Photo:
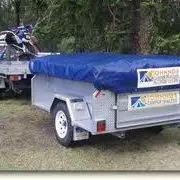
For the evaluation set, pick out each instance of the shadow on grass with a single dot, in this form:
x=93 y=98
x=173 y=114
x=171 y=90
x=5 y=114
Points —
x=135 y=141
x=13 y=96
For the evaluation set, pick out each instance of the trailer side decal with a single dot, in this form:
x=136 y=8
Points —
x=158 y=77
x=151 y=100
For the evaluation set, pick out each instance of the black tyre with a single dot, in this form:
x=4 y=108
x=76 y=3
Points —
x=62 y=124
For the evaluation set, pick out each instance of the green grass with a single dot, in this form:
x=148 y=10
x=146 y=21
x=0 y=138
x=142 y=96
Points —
x=27 y=142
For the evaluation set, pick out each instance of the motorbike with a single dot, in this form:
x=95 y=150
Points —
x=20 y=44
x=18 y=48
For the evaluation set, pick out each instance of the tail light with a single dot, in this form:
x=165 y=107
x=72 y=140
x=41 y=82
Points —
x=15 y=78
x=101 y=126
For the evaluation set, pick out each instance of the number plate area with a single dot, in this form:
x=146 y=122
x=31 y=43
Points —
x=143 y=109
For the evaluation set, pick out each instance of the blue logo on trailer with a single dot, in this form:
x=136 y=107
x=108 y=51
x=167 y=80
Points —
x=136 y=102
x=146 y=76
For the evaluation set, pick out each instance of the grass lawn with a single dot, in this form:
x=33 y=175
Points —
x=27 y=142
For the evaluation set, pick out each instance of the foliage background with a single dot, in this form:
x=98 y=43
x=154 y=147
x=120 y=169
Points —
x=126 y=26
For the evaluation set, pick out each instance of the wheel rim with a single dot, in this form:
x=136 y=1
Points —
x=61 y=124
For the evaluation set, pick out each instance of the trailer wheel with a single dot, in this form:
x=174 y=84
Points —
x=62 y=124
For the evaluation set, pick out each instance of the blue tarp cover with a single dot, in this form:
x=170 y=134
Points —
x=115 y=72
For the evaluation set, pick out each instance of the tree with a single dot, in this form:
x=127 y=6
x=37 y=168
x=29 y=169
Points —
x=126 y=26
x=136 y=18
x=17 y=5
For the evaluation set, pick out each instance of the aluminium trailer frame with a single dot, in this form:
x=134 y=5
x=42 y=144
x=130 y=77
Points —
x=89 y=108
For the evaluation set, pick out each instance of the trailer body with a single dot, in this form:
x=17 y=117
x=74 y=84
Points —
x=15 y=75
x=87 y=109
x=100 y=111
